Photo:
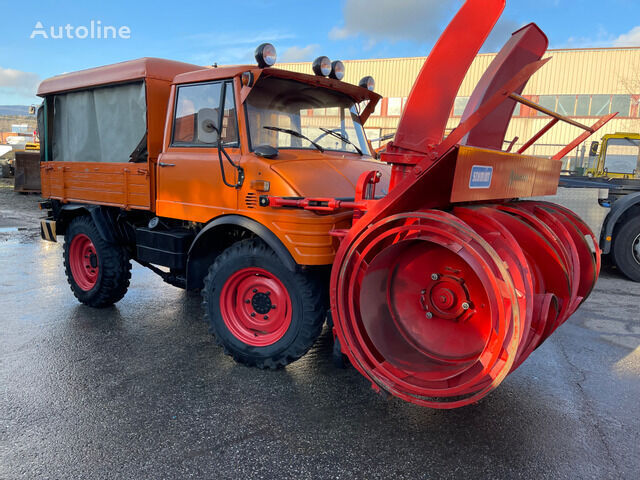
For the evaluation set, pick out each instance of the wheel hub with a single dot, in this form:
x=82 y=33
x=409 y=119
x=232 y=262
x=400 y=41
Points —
x=636 y=249
x=261 y=302
x=445 y=297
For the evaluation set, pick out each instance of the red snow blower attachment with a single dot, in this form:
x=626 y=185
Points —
x=447 y=284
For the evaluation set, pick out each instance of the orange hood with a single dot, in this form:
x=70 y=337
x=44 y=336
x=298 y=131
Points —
x=330 y=177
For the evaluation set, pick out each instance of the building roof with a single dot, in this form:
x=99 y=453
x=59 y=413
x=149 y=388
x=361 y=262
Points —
x=141 y=68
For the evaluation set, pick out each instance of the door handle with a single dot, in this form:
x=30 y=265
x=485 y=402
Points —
x=162 y=164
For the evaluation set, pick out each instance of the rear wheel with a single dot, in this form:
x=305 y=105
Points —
x=626 y=249
x=98 y=271
x=263 y=314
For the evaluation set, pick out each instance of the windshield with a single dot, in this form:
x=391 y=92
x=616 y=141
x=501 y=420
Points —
x=623 y=155
x=283 y=112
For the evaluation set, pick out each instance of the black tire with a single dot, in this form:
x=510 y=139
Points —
x=114 y=266
x=626 y=248
x=307 y=299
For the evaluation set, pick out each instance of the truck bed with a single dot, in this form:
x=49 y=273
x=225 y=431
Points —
x=124 y=185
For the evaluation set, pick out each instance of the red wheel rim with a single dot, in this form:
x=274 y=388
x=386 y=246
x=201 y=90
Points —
x=255 y=307
x=83 y=261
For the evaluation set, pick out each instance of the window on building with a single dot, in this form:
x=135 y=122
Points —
x=333 y=112
x=600 y=105
x=378 y=109
x=622 y=104
x=459 y=105
x=566 y=105
x=394 y=106
x=548 y=102
x=582 y=105
x=517 y=110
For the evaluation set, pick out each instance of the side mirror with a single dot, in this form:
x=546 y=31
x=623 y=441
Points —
x=207 y=120
x=593 y=150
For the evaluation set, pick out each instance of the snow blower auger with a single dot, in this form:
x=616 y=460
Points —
x=447 y=284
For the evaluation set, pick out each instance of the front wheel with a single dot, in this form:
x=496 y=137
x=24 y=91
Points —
x=97 y=271
x=626 y=249
x=263 y=314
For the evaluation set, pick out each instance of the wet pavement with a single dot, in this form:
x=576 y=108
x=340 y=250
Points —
x=140 y=390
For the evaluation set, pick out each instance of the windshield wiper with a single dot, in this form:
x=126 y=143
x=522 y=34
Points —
x=293 y=133
x=341 y=137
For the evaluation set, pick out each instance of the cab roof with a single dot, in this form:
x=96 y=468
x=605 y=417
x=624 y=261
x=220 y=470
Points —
x=122 y=72
x=356 y=92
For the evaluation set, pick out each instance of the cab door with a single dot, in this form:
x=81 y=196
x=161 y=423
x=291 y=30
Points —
x=190 y=181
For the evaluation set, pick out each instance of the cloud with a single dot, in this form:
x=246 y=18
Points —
x=629 y=39
x=417 y=20
x=17 y=82
x=604 y=39
x=500 y=34
x=298 y=54
x=238 y=38
x=229 y=48
x=420 y=21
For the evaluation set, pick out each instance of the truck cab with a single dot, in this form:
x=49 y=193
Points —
x=618 y=156
x=164 y=163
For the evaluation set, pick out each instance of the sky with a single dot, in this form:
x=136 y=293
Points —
x=227 y=32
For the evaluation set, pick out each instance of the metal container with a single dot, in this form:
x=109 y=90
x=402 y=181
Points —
x=27 y=172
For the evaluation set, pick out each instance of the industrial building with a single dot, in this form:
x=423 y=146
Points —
x=581 y=83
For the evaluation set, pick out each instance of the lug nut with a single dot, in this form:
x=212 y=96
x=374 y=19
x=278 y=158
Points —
x=266 y=317
x=273 y=307
x=255 y=290
x=429 y=315
x=435 y=276
x=267 y=293
x=247 y=301
x=253 y=314
x=465 y=305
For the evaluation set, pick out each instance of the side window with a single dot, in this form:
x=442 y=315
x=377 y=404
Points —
x=197 y=115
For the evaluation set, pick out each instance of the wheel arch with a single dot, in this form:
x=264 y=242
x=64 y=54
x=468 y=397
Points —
x=218 y=235
x=618 y=213
x=102 y=217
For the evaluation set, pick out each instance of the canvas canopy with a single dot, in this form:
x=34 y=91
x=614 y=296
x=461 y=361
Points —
x=104 y=124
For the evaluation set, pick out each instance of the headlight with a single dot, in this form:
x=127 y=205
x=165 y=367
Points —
x=322 y=66
x=368 y=83
x=265 y=55
x=337 y=70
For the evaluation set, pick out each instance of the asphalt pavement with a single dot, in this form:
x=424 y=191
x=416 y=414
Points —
x=140 y=390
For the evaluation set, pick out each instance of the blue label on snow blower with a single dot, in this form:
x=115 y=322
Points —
x=480 y=176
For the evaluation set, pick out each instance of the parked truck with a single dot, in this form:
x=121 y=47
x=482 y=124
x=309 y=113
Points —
x=605 y=192
x=257 y=187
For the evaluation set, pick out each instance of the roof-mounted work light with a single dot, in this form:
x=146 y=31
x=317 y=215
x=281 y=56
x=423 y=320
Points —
x=322 y=66
x=337 y=70
x=368 y=83
x=265 y=55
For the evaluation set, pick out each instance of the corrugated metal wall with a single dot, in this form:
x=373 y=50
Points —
x=570 y=72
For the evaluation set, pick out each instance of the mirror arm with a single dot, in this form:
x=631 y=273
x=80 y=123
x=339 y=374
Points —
x=221 y=149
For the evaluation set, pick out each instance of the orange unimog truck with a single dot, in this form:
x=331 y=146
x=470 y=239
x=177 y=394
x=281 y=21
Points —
x=164 y=162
